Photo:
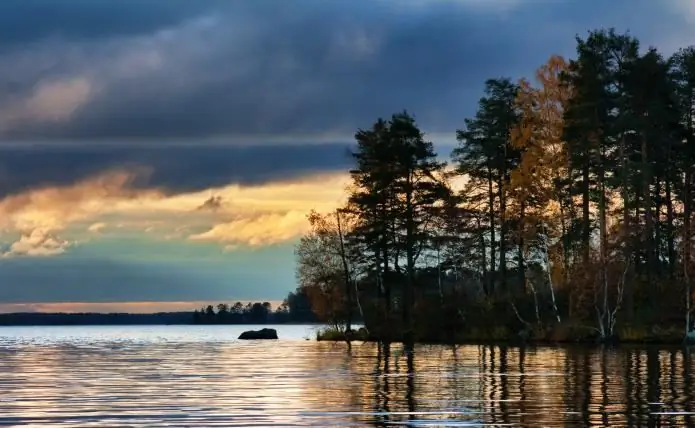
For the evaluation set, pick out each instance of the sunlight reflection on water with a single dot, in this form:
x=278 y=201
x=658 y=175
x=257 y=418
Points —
x=202 y=376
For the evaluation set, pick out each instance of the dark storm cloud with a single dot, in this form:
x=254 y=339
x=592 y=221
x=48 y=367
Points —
x=178 y=168
x=26 y=21
x=272 y=67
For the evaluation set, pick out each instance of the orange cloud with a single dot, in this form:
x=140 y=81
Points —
x=39 y=214
x=273 y=213
x=96 y=227
x=38 y=242
x=264 y=229
x=235 y=216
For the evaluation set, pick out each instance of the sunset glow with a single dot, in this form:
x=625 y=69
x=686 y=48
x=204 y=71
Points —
x=171 y=160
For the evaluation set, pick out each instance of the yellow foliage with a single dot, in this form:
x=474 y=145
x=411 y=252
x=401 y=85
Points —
x=544 y=155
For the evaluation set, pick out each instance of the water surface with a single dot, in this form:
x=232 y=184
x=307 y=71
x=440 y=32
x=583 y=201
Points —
x=164 y=376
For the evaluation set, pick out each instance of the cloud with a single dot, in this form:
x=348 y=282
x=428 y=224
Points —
x=685 y=10
x=134 y=114
x=214 y=203
x=242 y=216
x=265 y=215
x=49 y=208
x=260 y=230
x=256 y=71
x=39 y=214
x=25 y=22
x=96 y=227
x=38 y=242
x=51 y=101
x=481 y=6
x=183 y=168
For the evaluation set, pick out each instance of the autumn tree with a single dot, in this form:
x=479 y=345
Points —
x=538 y=186
x=579 y=180
x=324 y=269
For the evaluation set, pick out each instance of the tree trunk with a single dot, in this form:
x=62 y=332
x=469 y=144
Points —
x=483 y=263
x=346 y=275
x=603 y=235
x=626 y=234
x=491 y=196
x=439 y=276
x=657 y=238
x=522 y=267
x=386 y=281
x=379 y=275
x=687 y=212
x=503 y=235
x=566 y=261
x=586 y=219
x=648 y=218
x=566 y=213
x=409 y=292
x=386 y=277
x=687 y=198
x=670 y=230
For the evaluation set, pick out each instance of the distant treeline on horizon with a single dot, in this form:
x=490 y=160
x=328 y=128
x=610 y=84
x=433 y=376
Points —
x=294 y=309
x=47 y=319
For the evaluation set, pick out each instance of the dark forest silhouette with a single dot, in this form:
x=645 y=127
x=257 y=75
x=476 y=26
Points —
x=46 y=319
x=296 y=308
x=572 y=219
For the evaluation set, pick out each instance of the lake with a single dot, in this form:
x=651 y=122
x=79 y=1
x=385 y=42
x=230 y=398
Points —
x=164 y=376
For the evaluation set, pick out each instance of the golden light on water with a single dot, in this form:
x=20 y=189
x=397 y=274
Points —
x=159 y=376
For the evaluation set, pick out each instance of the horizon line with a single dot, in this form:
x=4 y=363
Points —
x=130 y=307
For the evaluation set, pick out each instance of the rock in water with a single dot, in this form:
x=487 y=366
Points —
x=265 y=333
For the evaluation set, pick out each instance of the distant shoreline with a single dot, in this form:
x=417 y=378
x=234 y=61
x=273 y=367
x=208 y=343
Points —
x=46 y=319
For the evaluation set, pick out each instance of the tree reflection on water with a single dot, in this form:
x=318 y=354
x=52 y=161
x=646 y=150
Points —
x=126 y=377
x=499 y=385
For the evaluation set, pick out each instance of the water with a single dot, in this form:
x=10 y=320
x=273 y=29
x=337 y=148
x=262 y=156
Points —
x=202 y=376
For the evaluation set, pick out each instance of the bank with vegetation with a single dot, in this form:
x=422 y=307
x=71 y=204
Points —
x=565 y=213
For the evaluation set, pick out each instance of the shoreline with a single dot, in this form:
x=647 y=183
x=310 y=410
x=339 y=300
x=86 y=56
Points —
x=670 y=338
x=521 y=343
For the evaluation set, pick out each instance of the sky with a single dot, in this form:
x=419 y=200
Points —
x=162 y=154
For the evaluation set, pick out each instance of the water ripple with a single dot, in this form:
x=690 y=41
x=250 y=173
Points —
x=174 y=376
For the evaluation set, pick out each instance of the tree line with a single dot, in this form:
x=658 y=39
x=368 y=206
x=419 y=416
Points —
x=295 y=308
x=47 y=318
x=565 y=211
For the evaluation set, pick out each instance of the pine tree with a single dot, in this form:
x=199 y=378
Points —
x=486 y=157
x=594 y=131
x=684 y=74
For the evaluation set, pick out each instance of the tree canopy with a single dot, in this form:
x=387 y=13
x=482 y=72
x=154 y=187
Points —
x=576 y=208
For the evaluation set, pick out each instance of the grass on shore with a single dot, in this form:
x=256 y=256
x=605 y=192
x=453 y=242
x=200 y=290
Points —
x=333 y=334
x=559 y=333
